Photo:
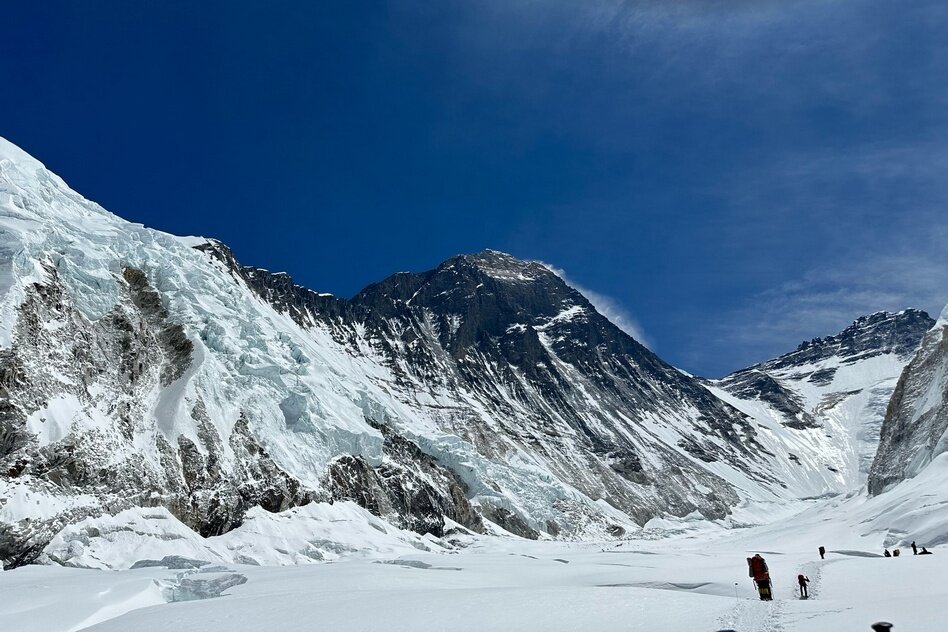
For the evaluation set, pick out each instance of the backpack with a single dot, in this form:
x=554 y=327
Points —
x=757 y=567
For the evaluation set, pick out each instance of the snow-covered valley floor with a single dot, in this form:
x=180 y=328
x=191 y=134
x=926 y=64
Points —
x=684 y=582
x=686 y=576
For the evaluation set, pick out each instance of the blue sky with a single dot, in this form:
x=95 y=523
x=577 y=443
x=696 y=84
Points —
x=727 y=178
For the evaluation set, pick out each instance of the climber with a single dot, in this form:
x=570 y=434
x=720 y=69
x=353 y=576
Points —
x=914 y=548
x=803 y=580
x=822 y=553
x=757 y=568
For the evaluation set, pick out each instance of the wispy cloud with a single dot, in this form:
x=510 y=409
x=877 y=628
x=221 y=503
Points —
x=609 y=307
x=825 y=301
x=869 y=227
x=830 y=296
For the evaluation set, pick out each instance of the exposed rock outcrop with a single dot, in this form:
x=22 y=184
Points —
x=916 y=422
x=75 y=408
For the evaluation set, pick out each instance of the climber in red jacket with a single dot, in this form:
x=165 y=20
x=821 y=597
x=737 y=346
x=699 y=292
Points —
x=757 y=568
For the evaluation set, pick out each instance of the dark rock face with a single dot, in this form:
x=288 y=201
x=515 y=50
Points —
x=172 y=340
x=409 y=488
x=755 y=384
x=481 y=319
x=213 y=500
x=916 y=421
x=510 y=521
x=868 y=336
x=13 y=434
x=278 y=289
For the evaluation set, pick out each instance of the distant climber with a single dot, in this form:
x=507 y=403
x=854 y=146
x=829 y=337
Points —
x=757 y=568
x=822 y=553
x=914 y=548
x=886 y=553
x=925 y=551
x=803 y=580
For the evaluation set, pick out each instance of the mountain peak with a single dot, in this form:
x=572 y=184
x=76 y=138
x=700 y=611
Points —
x=873 y=334
x=501 y=266
x=882 y=323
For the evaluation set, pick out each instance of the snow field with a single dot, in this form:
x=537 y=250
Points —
x=694 y=583
x=684 y=575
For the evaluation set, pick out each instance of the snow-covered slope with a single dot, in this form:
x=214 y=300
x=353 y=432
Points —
x=137 y=370
x=916 y=423
x=506 y=355
x=819 y=409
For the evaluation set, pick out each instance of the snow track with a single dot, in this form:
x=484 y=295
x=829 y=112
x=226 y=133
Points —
x=751 y=615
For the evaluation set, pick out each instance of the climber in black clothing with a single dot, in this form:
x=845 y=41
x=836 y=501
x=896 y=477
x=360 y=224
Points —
x=803 y=580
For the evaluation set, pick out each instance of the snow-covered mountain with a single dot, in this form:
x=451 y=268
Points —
x=915 y=431
x=819 y=409
x=503 y=354
x=140 y=369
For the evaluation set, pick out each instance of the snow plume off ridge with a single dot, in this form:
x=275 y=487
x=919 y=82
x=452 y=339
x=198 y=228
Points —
x=143 y=370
